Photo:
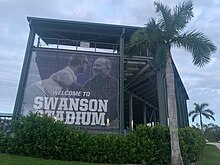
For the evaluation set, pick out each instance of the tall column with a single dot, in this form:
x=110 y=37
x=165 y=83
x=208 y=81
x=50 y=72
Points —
x=23 y=77
x=122 y=81
x=178 y=110
x=131 y=118
x=183 y=117
x=154 y=116
x=145 y=113
x=186 y=112
x=162 y=98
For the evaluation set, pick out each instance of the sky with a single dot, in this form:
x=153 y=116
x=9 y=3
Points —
x=202 y=84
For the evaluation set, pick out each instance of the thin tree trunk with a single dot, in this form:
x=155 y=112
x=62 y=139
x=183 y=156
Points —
x=200 y=115
x=176 y=158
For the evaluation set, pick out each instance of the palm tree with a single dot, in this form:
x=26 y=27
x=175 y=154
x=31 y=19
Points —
x=200 y=110
x=156 y=39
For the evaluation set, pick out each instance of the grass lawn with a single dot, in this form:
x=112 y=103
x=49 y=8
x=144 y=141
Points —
x=6 y=159
x=211 y=156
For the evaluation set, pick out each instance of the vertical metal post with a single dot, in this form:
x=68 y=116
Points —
x=27 y=58
x=58 y=43
x=38 y=42
x=122 y=81
x=154 y=117
x=161 y=99
x=145 y=113
x=77 y=42
x=178 y=106
x=186 y=113
x=131 y=120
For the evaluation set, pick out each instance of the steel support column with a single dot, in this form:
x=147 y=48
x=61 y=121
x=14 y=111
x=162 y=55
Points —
x=161 y=98
x=145 y=113
x=122 y=81
x=23 y=77
x=131 y=118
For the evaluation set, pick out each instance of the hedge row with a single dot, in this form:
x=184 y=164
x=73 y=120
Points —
x=42 y=137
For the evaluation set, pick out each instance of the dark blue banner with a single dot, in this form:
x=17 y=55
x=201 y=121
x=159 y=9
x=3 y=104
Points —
x=78 y=89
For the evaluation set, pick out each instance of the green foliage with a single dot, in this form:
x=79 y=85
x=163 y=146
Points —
x=192 y=143
x=39 y=137
x=212 y=132
x=42 y=137
x=5 y=124
x=201 y=111
x=156 y=143
x=3 y=142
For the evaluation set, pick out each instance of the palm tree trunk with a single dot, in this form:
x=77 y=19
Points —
x=200 y=115
x=176 y=158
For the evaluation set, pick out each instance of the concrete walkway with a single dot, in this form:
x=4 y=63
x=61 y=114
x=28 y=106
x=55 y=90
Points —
x=216 y=144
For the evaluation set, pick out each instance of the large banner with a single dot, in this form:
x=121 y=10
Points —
x=78 y=89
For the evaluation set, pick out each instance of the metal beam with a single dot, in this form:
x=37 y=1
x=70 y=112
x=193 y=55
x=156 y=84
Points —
x=145 y=113
x=141 y=79
x=139 y=98
x=23 y=77
x=131 y=120
x=122 y=81
x=161 y=98
x=138 y=74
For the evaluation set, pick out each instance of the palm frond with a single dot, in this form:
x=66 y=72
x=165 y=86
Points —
x=138 y=44
x=194 y=116
x=160 y=55
x=196 y=104
x=197 y=108
x=198 y=44
x=182 y=15
x=208 y=111
x=212 y=118
x=192 y=112
x=204 y=105
x=154 y=32
x=200 y=110
x=165 y=16
x=207 y=116
x=145 y=41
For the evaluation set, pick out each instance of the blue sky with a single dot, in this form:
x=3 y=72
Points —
x=202 y=84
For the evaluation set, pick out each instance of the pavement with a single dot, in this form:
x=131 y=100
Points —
x=216 y=144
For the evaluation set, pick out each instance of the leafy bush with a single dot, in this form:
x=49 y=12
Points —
x=212 y=132
x=39 y=137
x=3 y=142
x=44 y=138
x=151 y=144
x=192 y=142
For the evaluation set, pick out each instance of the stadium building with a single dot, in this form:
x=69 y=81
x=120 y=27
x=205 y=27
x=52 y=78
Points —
x=79 y=73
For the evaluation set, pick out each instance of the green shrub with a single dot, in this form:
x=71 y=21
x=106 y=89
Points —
x=44 y=138
x=39 y=137
x=161 y=137
x=104 y=148
x=151 y=145
x=192 y=143
x=3 y=142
